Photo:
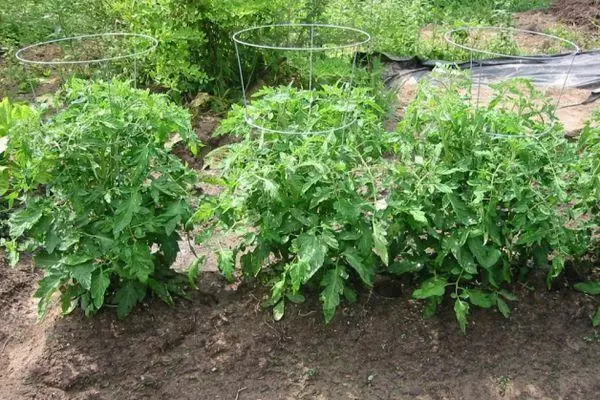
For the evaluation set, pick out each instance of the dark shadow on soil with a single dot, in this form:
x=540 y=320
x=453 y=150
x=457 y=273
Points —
x=380 y=348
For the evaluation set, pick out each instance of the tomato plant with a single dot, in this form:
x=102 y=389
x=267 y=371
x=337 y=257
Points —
x=484 y=195
x=305 y=204
x=466 y=200
x=105 y=225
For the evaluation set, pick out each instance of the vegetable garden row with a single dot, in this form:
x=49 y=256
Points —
x=90 y=186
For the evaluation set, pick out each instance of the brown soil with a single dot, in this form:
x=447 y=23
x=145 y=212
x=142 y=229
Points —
x=204 y=126
x=579 y=12
x=537 y=21
x=380 y=348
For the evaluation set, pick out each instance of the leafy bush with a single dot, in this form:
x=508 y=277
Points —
x=25 y=22
x=105 y=225
x=483 y=210
x=465 y=200
x=304 y=205
x=15 y=120
x=295 y=110
x=196 y=50
x=589 y=191
x=12 y=117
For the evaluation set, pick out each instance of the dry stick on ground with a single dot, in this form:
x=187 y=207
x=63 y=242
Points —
x=5 y=343
x=237 y=396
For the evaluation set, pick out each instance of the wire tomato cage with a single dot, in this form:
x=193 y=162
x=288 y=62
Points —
x=515 y=53
x=314 y=67
x=90 y=55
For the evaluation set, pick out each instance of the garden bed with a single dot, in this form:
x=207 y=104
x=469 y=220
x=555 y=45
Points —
x=310 y=254
x=579 y=12
x=217 y=348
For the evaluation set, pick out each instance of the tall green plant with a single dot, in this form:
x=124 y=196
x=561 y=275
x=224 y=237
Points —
x=196 y=51
x=488 y=192
x=105 y=226
x=304 y=205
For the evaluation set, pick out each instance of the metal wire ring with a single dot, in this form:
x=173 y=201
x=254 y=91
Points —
x=346 y=125
x=154 y=44
x=448 y=38
x=365 y=37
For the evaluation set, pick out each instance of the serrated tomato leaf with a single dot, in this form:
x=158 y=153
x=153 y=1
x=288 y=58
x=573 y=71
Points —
x=432 y=287
x=128 y=296
x=226 y=264
x=333 y=283
x=461 y=309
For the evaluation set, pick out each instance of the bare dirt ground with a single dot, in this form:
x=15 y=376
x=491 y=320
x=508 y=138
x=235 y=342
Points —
x=230 y=348
x=578 y=12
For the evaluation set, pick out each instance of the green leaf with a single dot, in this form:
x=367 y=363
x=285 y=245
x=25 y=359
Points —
x=508 y=295
x=195 y=270
x=68 y=300
x=596 y=319
x=226 y=264
x=405 y=266
x=100 y=282
x=174 y=215
x=139 y=262
x=270 y=188
x=486 y=256
x=350 y=295
x=465 y=259
x=83 y=274
x=461 y=210
x=333 y=282
x=503 y=307
x=23 y=220
x=52 y=241
x=279 y=310
x=432 y=287
x=558 y=266
x=47 y=261
x=128 y=296
x=480 y=298
x=312 y=250
x=204 y=213
x=431 y=307
x=277 y=290
x=296 y=298
x=125 y=212
x=380 y=243
x=329 y=239
x=298 y=273
x=356 y=262
x=76 y=259
x=47 y=287
x=252 y=262
x=303 y=217
x=461 y=309
x=588 y=287
x=347 y=210
x=419 y=216
x=161 y=290
x=4 y=180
